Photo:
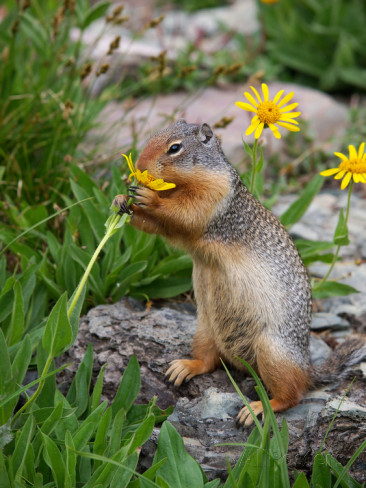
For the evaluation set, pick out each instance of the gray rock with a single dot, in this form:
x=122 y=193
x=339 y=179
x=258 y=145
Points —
x=322 y=321
x=319 y=350
x=206 y=407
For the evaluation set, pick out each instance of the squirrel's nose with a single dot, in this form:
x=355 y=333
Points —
x=141 y=165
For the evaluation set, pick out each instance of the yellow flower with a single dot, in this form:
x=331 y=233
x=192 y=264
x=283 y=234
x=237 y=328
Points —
x=270 y=112
x=353 y=166
x=269 y=1
x=145 y=178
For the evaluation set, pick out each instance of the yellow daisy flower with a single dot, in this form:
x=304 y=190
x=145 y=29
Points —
x=269 y=1
x=147 y=179
x=270 y=112
x=352 y=167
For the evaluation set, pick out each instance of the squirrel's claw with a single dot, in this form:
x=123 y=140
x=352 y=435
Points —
x=120 y=201
x=245 y=418
x=184 y=369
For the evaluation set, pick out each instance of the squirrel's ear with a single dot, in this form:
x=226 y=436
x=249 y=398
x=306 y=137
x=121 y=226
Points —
x=205 y=134
x=181 y=121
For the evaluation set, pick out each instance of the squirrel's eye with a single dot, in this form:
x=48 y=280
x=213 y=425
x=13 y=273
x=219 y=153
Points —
x=174 y=148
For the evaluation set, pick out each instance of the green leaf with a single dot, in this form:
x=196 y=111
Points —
x=6 y=304
x=16 y=329
x=294 y=213
x=347 y=480
x=216 y=484
x=341 y=233
x=321 y=476
x=21 y=447
x=116 y=432
x=173 y=264
x=6 y=384
x=142 y=433
x=129 y=273
x=88 y=427
x=54 y=460
x=95 y=13
x=165 y=288
x=129 y=387
x=100 y=443
x=333 y=289
x=58 y=334
x=97 y=391
x=70 y=461
x=78 y=394
x=124 y=474
x=75 y=314
x=301 y=482
x=180 y=470
x=148 y=475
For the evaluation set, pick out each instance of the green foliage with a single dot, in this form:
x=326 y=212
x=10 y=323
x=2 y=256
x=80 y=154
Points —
x=263 y=462
x=45 y=111
x=322 y=42
x=75 y=439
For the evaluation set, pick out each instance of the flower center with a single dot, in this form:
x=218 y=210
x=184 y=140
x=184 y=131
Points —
x=353 y=165
x=268 y=112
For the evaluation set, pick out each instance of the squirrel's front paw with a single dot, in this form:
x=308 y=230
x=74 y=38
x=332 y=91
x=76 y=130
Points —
x=144 y=197
x=185 y=369
x=120 y=201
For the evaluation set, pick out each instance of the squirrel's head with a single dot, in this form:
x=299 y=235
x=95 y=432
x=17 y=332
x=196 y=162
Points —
x=180 y=149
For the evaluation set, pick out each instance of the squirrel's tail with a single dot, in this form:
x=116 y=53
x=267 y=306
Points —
x=340 y=362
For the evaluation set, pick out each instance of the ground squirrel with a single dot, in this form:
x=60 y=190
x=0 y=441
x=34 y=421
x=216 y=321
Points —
x=251 y=287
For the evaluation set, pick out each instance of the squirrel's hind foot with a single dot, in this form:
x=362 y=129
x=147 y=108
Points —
x=184 y=369
x=245 y=418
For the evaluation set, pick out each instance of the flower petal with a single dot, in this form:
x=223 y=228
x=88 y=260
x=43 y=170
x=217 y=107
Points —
x=342 y=156
x=129 y=162
x=356 y=177
x=160 y=185
x=340 y=174
x=290 y=115
x=252 y=127
x=275 y=131
x=289 y=107
x=288 y=119
x=256 y=94
x=361 y=150
x=330 y=172
x=288 y=126
x=363 y=178
x=245 y=106
x=278 y=96
x=285 y=99
x=352 y=152
x=251 y=99
x=265 y=92
x=258 y=131
x=346 y=180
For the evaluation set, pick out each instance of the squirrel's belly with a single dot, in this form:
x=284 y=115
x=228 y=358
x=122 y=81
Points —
x=243 y=302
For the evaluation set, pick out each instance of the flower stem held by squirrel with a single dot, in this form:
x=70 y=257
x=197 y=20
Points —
x=114 y=222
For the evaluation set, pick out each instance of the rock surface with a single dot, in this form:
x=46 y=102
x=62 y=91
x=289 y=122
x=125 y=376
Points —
x=206 y=407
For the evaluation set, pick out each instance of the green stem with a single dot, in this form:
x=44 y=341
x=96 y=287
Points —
x=38 y=391
x=115 y=219
x=335 y=257
x=111 y=227
x=254 y=166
